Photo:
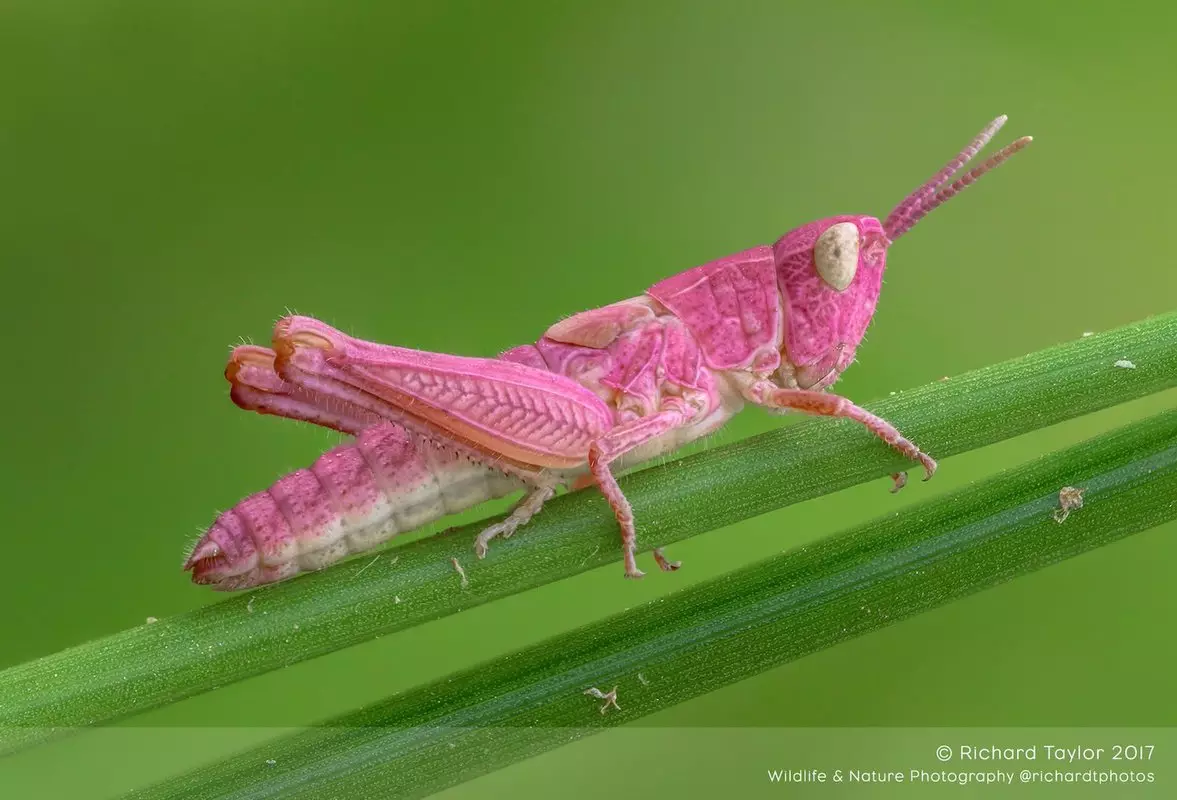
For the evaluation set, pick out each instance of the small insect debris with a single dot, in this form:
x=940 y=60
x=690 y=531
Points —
x=396 y=599
x=1124 y=363
x=270 y=762
x=1088 y=333
x=152 y=620
x=642 y=678
x=1069 y=498
x=249 y=605
x=610 y=698
x=461 y=572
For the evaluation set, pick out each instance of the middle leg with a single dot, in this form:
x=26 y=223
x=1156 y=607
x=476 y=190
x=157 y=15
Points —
x=612 y=446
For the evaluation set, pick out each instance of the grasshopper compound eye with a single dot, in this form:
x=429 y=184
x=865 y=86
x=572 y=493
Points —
x=835 y=254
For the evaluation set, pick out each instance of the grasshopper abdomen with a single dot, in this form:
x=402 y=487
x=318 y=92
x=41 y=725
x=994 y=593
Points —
x=352 y=499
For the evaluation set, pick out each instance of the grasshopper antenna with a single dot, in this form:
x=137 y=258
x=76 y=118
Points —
x=933 y=193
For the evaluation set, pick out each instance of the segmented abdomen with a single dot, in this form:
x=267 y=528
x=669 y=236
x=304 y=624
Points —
x=350 y=500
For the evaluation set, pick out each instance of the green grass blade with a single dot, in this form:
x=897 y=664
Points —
x=151 y=666
x=719 y=632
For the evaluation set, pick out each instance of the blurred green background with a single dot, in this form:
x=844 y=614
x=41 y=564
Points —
x=457 y=176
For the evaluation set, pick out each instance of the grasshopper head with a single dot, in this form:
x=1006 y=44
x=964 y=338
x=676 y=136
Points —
x=830 y=271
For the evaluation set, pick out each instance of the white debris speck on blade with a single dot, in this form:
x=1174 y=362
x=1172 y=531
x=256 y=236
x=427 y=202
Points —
x=1069 y=498
x=370 y=563
x=1124 y=363
x=461 y=572
x=152 y=620
x=271 y=762
x=1088 y=333
x=610 y=697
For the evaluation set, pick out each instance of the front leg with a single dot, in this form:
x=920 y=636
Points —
x=769 y=395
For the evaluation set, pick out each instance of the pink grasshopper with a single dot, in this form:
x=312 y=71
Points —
x=603 y=389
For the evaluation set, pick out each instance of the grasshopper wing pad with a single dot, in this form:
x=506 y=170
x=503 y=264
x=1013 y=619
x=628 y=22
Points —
x=732 y=308
x=525 y=414
x=599 y=327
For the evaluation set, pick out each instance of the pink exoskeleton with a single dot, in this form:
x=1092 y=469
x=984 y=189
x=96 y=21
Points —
x=601 y=390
